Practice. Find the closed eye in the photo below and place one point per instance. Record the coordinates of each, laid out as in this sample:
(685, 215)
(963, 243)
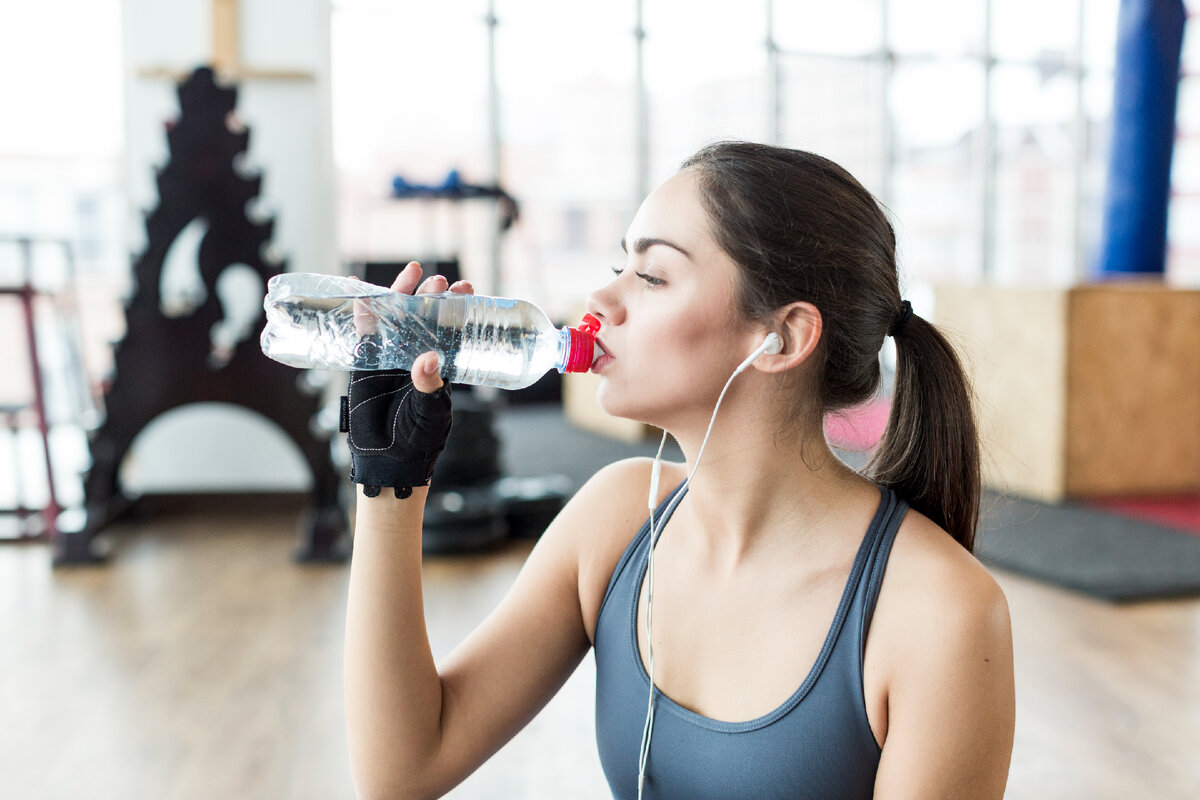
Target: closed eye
(649, 279)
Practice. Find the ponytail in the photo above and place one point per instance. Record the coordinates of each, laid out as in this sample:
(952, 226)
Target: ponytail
(929, 454)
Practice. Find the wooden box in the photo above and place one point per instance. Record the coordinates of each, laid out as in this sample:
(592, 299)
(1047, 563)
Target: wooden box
(1083, 391)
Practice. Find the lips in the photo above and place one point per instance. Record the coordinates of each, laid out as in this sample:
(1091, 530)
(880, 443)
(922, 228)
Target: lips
(602, 356)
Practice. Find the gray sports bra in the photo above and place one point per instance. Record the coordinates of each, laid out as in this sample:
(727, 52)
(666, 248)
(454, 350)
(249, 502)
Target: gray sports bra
(818, 744)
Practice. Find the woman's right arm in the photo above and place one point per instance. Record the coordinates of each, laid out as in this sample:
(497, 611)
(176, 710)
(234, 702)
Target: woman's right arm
(392, 690)
(415, 728)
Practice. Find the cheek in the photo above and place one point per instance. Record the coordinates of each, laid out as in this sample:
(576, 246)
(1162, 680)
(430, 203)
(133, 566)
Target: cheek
(704, 343)
(675, 355)
(676, 350)
(681, 364)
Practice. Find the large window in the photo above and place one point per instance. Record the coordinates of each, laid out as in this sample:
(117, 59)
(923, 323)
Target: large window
(705, 79)
(410, 95)
(937, 166)
(60, 143)
(61, 180)
(568, 150)
(983, 134)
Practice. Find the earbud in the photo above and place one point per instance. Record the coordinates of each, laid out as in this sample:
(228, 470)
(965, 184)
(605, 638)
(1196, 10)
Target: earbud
(770, 345)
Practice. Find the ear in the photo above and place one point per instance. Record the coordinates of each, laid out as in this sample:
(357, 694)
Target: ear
(799, 325)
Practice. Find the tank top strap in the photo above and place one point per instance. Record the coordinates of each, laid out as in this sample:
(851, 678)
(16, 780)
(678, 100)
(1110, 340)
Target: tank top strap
(882, 534)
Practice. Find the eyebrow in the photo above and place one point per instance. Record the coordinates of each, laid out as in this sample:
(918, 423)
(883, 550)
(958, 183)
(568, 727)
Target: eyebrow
(640, 246)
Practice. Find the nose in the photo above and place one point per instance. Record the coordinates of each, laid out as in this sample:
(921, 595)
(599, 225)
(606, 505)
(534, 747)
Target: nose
(605, 305)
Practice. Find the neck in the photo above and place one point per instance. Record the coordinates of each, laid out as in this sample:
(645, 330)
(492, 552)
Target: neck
(758, 489)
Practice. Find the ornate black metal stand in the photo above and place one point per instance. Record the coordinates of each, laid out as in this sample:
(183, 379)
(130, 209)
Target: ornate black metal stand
(165, 362)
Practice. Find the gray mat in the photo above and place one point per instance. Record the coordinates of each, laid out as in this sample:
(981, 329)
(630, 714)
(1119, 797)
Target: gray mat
(1079, 548)
(1091, 551)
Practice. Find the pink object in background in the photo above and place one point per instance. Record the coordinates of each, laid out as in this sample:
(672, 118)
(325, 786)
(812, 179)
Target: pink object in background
(860, 428)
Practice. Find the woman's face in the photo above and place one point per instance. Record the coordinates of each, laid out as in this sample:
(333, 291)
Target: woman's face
(670, 326)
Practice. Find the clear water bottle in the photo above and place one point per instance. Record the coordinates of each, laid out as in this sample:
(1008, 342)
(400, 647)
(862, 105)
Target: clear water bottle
(331, 322)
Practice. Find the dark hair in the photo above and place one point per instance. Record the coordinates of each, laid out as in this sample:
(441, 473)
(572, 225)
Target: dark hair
(801, 228)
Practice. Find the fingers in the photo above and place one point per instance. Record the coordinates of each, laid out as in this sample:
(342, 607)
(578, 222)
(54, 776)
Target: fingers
(407, 280)
(425, 375)
(366, 322)
(432, 285)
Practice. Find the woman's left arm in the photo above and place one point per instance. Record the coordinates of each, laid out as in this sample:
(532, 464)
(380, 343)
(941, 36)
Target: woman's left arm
(951, 698)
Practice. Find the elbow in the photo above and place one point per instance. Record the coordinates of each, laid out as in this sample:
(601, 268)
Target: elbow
(397, 784)
(391, 791)
(391, 773)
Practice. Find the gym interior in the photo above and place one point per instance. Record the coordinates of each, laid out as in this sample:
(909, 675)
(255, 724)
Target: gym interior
(175, 519)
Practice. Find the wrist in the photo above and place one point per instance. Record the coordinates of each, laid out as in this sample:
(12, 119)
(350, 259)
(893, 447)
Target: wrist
(388, 498)
(383, 475)
(388, 513)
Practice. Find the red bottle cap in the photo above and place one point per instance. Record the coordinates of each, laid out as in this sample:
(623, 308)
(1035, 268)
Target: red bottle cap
(583, 345)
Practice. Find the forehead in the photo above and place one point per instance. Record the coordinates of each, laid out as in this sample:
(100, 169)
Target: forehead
(673, 212)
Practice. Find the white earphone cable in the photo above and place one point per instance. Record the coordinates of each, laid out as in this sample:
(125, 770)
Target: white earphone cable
(644, 752)
(648, 727)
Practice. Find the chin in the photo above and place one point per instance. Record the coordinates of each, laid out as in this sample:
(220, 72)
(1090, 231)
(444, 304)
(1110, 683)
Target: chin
(616, 404)
(608, 403)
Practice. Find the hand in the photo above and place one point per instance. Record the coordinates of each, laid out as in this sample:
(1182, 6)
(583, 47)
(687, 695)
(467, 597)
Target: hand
(397, 421)
(427, 379)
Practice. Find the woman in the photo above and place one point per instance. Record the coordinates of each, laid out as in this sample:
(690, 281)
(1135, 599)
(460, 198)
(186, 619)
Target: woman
(787, 661)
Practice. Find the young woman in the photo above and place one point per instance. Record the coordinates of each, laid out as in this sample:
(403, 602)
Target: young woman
(816, 632)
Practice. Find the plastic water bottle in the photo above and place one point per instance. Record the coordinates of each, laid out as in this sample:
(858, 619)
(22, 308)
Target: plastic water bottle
(330, 322)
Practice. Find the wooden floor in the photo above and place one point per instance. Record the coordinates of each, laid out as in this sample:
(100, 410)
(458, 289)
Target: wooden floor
(203, 663)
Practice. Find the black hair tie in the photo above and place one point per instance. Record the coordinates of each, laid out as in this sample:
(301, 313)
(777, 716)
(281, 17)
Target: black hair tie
(902, 319)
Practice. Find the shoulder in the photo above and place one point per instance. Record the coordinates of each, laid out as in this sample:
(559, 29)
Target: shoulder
(931, 577)
(613, 498)
(602, 519)
(617, 495)
(938, 603)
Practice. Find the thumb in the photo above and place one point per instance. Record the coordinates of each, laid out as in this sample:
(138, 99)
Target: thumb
(425, 373)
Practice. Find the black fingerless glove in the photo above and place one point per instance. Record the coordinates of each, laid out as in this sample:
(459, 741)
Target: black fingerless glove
(396, 432)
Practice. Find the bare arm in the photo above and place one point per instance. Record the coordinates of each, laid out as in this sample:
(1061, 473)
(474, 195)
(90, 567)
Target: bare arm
(393, 693)
(416, 729)
(951, 707)
(413, 731)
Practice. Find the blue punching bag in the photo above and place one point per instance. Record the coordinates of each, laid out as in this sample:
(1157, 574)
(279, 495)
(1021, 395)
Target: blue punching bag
(1149, 41)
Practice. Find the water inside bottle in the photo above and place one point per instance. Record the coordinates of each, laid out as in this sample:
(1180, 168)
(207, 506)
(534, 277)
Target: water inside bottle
(496, 341)
(329, 322)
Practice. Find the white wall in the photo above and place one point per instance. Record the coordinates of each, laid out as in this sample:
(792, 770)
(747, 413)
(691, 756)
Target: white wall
(291, 144)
